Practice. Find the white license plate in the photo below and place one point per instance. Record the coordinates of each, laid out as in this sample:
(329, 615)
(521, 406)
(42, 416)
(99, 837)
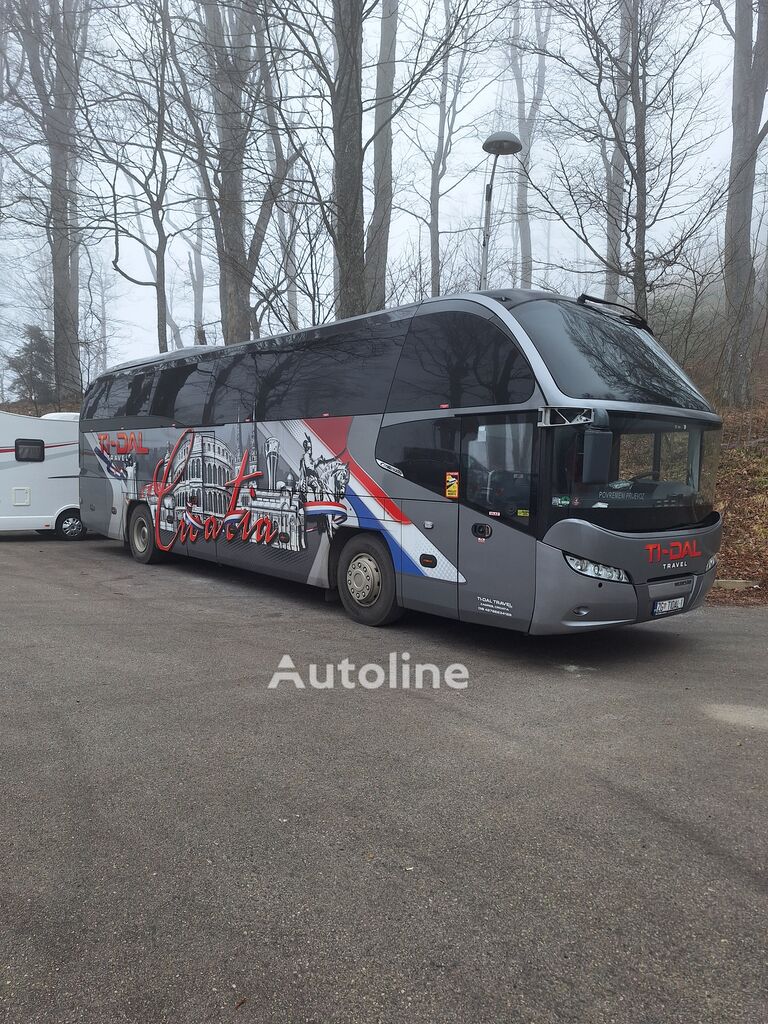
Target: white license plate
(672, 604)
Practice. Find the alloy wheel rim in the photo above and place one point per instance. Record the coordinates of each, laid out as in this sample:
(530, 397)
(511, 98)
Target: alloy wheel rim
(72, 527)
(140, 536)
(364, 579)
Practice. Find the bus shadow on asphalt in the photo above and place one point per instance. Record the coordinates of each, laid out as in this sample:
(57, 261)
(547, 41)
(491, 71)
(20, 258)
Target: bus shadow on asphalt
(603, 648)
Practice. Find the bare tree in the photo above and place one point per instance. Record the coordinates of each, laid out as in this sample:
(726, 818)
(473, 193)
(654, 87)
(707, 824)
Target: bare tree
(197, 274)
(44, 42)
(377, 243)
(624, 131)
(331, 46)
(225, 86)
(529, 93)
(750, 82)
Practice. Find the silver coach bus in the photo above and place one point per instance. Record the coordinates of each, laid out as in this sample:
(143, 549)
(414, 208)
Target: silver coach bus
(515, 458)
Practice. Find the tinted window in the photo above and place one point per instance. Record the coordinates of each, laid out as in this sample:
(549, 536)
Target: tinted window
(497, 466)
(95, 398)
(139, 391)
(181, 392)
(343, 370)
(122, 394)
(426, 451)
(455, 360)
(592, 355)
(232, 398)
(29, 450)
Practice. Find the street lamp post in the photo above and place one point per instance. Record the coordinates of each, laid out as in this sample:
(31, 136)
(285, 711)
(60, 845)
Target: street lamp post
(499, 144)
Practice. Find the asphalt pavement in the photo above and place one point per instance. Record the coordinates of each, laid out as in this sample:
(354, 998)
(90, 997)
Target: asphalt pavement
(578, 836)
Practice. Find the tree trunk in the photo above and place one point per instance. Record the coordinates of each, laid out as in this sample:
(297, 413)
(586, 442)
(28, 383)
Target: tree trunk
(527, 118)
(615, 182)
(639, 110)
(66, 348)
(378, 229)
(161, 305)
(347, 110)
(197, 276)
(750, 74)
(436, 171)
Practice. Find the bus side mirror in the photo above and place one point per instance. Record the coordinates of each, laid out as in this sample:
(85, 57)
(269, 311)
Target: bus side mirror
(598, 445)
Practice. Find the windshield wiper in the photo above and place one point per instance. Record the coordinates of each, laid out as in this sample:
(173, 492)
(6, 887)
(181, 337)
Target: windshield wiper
(633, 318)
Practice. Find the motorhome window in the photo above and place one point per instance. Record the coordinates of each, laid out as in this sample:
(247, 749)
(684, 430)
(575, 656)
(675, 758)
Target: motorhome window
(425, 451)
(458, 360)
(30, 450)
(592, 355)
(497, 468)
(181, 392)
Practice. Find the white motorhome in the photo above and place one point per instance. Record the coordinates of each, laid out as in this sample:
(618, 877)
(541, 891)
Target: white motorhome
(39, 474)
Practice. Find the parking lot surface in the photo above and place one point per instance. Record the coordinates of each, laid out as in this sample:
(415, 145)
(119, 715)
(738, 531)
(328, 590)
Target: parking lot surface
(578, 836)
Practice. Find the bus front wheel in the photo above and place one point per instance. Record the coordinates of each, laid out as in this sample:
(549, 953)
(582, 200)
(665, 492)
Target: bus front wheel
(366, 581)
(141, 536)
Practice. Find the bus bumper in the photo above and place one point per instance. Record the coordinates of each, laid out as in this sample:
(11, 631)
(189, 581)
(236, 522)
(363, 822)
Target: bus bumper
(567, 602)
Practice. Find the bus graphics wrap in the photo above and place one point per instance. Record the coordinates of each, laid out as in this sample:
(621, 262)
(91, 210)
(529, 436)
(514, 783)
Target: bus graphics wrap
(514, 458)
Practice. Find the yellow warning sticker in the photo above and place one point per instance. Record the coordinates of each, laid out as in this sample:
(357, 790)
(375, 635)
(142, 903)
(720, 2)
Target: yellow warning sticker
(451, 485)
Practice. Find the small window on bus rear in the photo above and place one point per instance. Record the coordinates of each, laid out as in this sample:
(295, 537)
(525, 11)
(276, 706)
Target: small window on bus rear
(455, 360)
(29, 450)
(181, 391)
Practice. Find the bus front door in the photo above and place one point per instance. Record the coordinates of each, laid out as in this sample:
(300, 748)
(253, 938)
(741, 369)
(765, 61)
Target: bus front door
(497, 550)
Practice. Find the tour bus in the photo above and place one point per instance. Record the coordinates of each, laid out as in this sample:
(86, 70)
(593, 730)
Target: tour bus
(515, 458)
(39, 474)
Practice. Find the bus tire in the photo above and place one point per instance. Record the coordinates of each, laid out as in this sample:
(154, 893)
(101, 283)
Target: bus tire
(141, 536)
(69, 525)
(366, 583)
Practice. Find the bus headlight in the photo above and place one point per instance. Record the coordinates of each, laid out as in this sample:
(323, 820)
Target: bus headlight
(596, 570)
(711, 563)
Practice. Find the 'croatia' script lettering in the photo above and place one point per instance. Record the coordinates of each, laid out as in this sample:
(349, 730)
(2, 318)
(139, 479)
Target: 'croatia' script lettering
(237, 523)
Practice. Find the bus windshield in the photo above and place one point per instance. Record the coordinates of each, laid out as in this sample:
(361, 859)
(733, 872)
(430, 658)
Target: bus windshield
(592, 354)
(662, 475)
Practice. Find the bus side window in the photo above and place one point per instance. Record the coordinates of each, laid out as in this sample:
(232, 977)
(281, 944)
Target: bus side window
(181, 391)
(454, 359)
(425, 451)
(139, 392)
(232, 398)
(342, 370)
(497, 466)
(95, 400)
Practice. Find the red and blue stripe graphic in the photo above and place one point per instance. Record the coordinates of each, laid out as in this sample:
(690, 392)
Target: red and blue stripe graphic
(372, 505)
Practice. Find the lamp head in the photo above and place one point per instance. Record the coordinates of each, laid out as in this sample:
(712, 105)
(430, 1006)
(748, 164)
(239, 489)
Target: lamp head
(502, 144)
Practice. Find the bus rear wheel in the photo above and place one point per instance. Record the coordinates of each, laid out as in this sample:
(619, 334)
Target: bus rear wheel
(141, 536)
(69, 525)
(366, 581)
